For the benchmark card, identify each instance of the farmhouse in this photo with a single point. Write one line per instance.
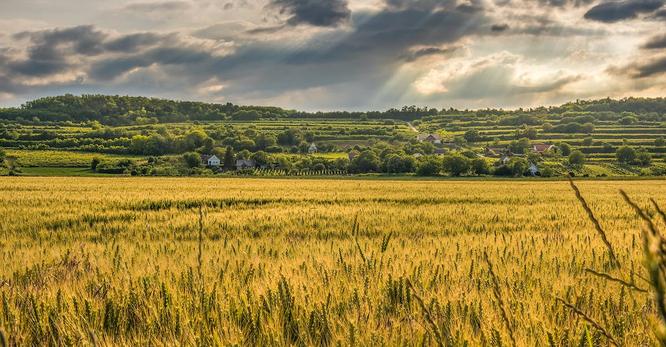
(542, 148)
(495, 151)
(432, 138)
(210, 160)
(245, 164)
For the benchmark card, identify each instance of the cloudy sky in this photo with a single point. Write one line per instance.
(335, 54)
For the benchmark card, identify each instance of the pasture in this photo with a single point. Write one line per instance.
(155, 261)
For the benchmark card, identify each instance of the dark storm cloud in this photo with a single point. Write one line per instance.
(429, 51)
(420, 4)
(112, 68)
(656, 42)
(48, 50)
(498, 28)
(133, 42)
(323, 13)
(651, 68)
(660, 15)
(615, 11)
(150, 7)
(563, 3)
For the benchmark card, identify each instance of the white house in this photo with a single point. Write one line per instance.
(432, 138)
(312, 148)
(214, 161)
(242, 164)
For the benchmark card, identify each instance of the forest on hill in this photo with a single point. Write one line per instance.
(132, 110)
(147, 136)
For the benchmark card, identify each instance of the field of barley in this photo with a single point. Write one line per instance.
(163, 261)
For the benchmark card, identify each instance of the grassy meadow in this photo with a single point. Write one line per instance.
(163, 261)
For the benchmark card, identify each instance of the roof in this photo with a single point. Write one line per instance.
(423, 137)
(542, 147)
(245, 162)
(213, 158)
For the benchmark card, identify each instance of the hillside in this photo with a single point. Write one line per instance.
(147, 136)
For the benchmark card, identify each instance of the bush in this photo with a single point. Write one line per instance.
(625, 155)
(94, 163)
(456, 164)
(192, 159)
(430, 166)
(577, 158)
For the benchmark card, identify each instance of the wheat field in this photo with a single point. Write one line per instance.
(160, 261)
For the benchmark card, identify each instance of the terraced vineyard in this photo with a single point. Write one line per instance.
(155, 261)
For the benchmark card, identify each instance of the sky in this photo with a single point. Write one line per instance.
(335, 54)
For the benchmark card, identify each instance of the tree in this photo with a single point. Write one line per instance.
(229, 161)
(480, 166)
(93, 164)
(429, 166)
(456, 164)
(519, 146)
(644, 157)
(192, 159)
(472, 136)
(260, 157)
(3, 155)
(660, 142)
(367, 161)
(588, 141)
(518, 166)
(577, 158)
(628, 120)
(625, 155)
(565, 149)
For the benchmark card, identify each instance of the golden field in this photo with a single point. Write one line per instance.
(160, 261)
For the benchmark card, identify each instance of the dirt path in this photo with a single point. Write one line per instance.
(412, 127)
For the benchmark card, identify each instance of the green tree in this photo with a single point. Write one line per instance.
(260, 157)
(518, 166)
(93, 163)
(644, 157)
(577, 158)
(367, 161)
(429, 166)
(565, 149)
(480, 166)
(229, 160)
(660, 142)
(455, 164)
(625, 155)
(472, 136)
(588, 141)
(192, 159)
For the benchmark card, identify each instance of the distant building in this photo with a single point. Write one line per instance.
(432, 138)
(440, 151)
(312, 149)
(211, 160)
(495, 151)
(418, 155)
(542, 148)
(245, 164)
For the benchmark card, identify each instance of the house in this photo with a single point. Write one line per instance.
(542, 148)
(432, 138)
(245, 164)
(417, 155)
(211, 160)
(495, 151)
(312, 149)
(533, 169)
(440, 151)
